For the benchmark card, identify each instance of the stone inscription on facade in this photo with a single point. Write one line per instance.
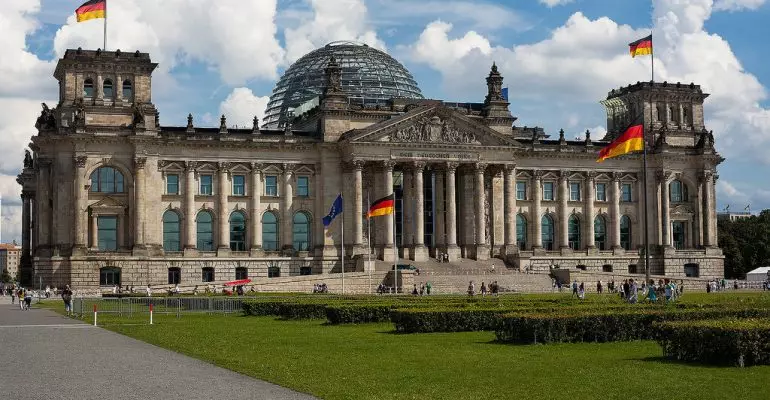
(420, 155)
(433, 130)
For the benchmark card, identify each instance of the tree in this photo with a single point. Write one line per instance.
(745, 243)
(5, 277)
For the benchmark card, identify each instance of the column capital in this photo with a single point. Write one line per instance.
(590, 175)
(616, 176)
(538, 174)
(452, 166)
(479, 167)
(224, 166)
(663, 176)
(190, 165)
(80, 161)
(564, 175)
(706, 176)
(388, 165)
(509, 168)
(256, 167)
(418, 166)
(357, 165)
(140, 162)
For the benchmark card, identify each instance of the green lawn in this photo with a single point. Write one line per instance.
(370, 362)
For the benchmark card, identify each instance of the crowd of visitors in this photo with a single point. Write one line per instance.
(493, 289)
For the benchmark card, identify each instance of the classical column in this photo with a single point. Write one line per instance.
(590, 191)
(419, 252)
(189, 205)
(665, 220)
(43, 211)
(94, 232)
(387, 183)
(256, 203)
(139, 200)
(358, 203)
(287, 197)
(708, 224)
(509, 195)
(223, 239)
(615, 212)
(79, 195)
(26, 223)
(451, 212)
(320, 211)
(482, 250)
(563, 210)
(535, 219)
(408, 213)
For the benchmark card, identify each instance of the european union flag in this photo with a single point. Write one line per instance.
(505, 93)
(335, 210)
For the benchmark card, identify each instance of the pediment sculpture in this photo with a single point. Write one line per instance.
(434, 130)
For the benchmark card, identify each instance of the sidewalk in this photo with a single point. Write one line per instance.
(48, 356)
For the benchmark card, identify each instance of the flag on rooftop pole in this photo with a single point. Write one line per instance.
(93, 9)
(505, 93)
(641, 47)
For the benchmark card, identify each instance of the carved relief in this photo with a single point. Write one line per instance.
(80, 161)
(140, 162)
(433, 130)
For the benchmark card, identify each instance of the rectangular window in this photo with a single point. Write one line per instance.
(601, 192)
(574, 191)
(521, 190)
(271, 185)
(172, 184)
(207, 274)
(625, 192)
(303, 186)
(206, 185)
(548, 191)
(174, 276)
(239, 185)
(107, 232)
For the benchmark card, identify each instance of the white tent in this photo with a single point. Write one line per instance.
(759, 274)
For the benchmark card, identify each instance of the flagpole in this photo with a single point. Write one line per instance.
(105, 25)
(644, 173)
(369, 242)
(342, 247)
(395, 248)
(652, 62)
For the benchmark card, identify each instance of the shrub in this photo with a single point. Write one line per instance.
(358, 313)
(445, 320)
(721, 342)
(603, 325)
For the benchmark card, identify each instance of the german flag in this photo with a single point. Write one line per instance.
(91, 10)
(641, 47)
(383, 206)
(631, 140)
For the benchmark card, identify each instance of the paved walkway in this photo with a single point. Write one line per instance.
(46, 356)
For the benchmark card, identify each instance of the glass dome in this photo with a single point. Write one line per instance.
(368, 76)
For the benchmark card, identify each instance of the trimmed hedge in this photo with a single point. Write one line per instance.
(358, 313)
(603, 326)
(720, 342)
(446, 320)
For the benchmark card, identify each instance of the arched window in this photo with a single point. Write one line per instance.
(301, 232)
(574, 232)
(107, 89)
(677, 191)
(107, 180)
(625, 232)
(269, 232)
(205, 231)
(600, 232)
(237, 231)
(171, 231)
(521, 231)
(88, 88)
(109, 276)
(546, 223)
(128, 90)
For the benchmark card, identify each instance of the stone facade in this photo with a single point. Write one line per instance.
(110, 196)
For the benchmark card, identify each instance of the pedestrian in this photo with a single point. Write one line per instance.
(414, 290)
(66, 296)
(574, 288)
(483, 289)
(495, 288)
(27, 299)
(422, 289)
(582, 291)
(47, 291)
(471, 289)
(149, 291)
(427, 288)
(599, 287)
(633, 291)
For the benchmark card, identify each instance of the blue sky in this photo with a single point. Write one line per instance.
(559, 59)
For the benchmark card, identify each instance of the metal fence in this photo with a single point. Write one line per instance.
(130, 306)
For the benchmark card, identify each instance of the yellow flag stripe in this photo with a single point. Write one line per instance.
(381, 211)
(90, 15)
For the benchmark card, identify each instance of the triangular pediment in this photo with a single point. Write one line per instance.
(434, 123)
(108, 202)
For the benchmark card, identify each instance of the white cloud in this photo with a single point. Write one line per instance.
(735, 5)
(479, 15)
(332, 20)
(554, 3)
(235, 37)
(242, 105)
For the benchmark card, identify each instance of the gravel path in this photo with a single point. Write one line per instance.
(47, 356)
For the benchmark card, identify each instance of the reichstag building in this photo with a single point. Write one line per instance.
(112, 197)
